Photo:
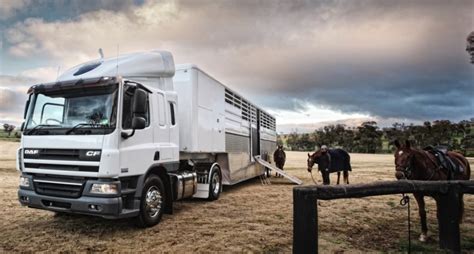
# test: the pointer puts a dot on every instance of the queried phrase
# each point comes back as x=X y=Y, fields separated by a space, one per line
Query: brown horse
x=279 y=156
x=416 y=164
x=329 y=161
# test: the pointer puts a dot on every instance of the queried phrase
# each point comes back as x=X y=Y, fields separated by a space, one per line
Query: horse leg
x=338 y=176
x=461 y=208
x=422 y=212
x=346 y=176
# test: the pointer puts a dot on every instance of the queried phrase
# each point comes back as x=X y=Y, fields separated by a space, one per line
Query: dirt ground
x=249 y=217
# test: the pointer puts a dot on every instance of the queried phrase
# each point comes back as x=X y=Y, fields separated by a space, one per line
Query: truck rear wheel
x=152 y=202
x=215 y=185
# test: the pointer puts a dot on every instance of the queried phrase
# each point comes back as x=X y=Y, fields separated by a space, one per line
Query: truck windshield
x=73 y=113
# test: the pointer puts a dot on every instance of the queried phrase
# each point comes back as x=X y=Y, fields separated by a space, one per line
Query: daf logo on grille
x=92 y=153
x=32 y=152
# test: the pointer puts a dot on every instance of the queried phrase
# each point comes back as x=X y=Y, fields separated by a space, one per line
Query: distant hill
x=311 y=127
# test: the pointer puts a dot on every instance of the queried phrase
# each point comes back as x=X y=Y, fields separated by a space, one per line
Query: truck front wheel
x=152 y=202
x=215 y=185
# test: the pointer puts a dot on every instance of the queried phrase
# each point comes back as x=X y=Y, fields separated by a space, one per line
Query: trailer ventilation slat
x=249 y=111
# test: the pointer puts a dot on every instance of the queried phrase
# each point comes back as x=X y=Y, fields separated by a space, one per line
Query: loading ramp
x=283 y=173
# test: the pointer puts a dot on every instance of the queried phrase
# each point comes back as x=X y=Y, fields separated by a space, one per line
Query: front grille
x=58 y=187
x=63 y=167
x=62 y=154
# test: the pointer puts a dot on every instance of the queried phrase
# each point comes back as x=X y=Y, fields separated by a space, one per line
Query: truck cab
x=100 y=144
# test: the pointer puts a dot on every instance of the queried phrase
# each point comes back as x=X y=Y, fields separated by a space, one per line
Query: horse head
x=403 y=160
x=314 y=159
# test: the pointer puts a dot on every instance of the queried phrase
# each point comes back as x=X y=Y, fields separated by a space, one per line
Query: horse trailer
x=126 y=136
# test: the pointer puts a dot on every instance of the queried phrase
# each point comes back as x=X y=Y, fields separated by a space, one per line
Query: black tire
x=152 y=210
x=215 y=184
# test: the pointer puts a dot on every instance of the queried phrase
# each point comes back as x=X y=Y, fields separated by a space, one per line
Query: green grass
x=4 y=136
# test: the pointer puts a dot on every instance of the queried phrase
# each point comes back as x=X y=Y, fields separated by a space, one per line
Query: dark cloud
x=388 y=59
x=60 y=9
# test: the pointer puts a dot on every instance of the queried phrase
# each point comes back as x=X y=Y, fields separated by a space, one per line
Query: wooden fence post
x=448 y=213
x=305 y=223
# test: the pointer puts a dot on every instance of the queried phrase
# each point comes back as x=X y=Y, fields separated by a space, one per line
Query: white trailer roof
x=187 y=66
x=149 y=64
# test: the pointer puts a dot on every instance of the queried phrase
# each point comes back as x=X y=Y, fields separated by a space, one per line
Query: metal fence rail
x=447 y=193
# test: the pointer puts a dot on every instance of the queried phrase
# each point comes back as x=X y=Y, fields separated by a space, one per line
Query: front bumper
x=106 y=207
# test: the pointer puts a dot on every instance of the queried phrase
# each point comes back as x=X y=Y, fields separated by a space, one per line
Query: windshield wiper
x=73 y=129
x=39 y=126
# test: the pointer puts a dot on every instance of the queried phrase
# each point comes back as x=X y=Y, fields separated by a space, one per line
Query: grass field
x=248 y=217
x=5 y=137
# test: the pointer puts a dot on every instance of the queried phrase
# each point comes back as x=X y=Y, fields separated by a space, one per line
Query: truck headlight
x=24 y=182
x=104 y=188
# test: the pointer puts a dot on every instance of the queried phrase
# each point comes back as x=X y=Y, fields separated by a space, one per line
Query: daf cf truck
x=129 y=135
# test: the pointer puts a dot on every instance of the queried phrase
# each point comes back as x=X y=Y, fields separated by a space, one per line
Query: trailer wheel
x=152 y=203
x=215 y=185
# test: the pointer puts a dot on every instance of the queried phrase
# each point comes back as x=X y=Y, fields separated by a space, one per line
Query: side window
x=161 y=109
x=127 y=114
x=173 y=120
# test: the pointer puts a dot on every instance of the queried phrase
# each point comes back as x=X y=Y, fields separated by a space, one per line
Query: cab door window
x=127 y=113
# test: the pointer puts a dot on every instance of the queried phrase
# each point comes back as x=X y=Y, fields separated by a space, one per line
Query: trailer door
x=256 y=136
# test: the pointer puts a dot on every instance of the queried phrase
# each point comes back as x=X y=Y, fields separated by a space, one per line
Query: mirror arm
x=126 y=135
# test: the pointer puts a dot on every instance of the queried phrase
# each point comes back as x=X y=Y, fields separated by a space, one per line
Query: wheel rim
x=153 y=201
x=216 y=183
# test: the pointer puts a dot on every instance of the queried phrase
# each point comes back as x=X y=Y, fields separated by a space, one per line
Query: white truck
x=127 y=136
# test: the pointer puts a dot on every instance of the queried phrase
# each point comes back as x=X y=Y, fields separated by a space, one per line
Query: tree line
x=370 y=138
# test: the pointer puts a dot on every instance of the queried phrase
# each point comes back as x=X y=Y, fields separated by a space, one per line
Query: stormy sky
x=304 y=61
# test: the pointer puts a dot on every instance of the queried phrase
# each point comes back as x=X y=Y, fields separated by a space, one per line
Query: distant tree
x=369 y=137
x=442 y=132
x=292 y=141
x=279 y=140
x=306 y=142
x=467 y=145
x=398 y=131
x=8 y=128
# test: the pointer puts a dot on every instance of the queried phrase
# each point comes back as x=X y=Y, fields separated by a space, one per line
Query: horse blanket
x=335 y=160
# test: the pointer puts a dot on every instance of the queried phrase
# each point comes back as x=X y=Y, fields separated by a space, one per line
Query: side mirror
x=138 y=123
x=139 y=108
x=139 y=101
x=22 y=127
